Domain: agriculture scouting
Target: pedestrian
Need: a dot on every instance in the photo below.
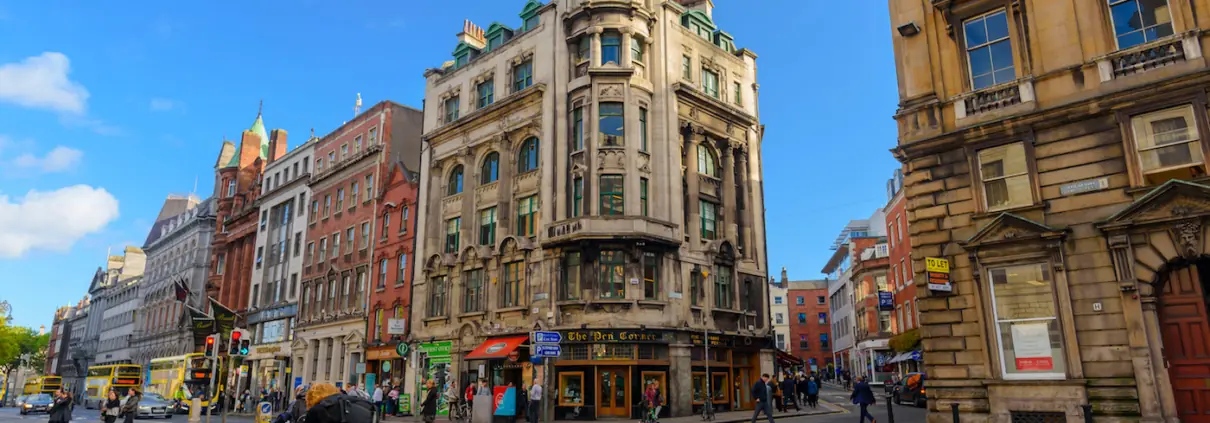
(428, 408)
(298, 408)
(789, 394)
(535, 401)
(655, 400)
(848, 379)
(813, 392)
(762, 392)
(60, 408)
(802, 388)
(778, 401)
(864, 397)
(130, 408)
(377, 399)
(483, 389)
(393, 401)
(110, 408)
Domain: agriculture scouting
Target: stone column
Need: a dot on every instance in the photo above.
(340, 360)
(680, 380)
(322, 363)
(1159, 373)
(624, 49)
(692, 178)
(744, 218)
(730, 213)
(1141, 355)
(596, 46)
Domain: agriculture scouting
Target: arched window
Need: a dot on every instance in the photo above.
(455, 185)
(527, 160)
(490, 171)
(707, 162)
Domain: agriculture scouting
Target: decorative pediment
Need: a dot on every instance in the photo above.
(1174, 200)
(1010, 228)
(354, 338)
(298, 345)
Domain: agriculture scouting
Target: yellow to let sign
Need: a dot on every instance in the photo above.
(934, 264)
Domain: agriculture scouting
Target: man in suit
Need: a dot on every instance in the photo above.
(762, 392)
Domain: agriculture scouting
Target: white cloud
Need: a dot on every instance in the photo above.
(57, 160)
(162, 104)
(53, 220)
(41, 82)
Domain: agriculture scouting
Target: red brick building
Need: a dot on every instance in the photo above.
(906, 316)
(346, 193)
(810, 323)
(237, 185)
(391, 299)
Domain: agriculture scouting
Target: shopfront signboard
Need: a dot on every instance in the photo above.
(616, 336)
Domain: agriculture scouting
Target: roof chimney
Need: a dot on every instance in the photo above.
(472, 34)
(784, 279)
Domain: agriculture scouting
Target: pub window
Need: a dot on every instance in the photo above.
(699, 387)
(651, 278)
(723, 297)
(656, 377)
(473, 297)
(1027, 323)
(719, 387)
(437, 296)
(571, 276)
(611, 276)
(514, 278)
(1004, 173)
(1167, 143)
(571, 389)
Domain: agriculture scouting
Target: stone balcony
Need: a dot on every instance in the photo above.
(994, 102)
(609, 227)
(1179, 50)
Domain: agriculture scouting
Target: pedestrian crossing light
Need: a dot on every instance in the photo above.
(211, 350)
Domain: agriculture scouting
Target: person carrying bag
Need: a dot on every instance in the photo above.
(111, 408)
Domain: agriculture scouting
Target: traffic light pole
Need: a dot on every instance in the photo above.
(230, 368)
(213, 376)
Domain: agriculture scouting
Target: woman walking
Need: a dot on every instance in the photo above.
(812, 392)
(428, 408)
(60, 410)
(110, 408)
(130, 408)
(863, 396)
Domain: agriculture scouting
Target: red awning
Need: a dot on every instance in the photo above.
(497, 348)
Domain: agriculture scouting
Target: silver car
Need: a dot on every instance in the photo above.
(153, 405)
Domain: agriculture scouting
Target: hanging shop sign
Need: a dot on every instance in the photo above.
(609, 336)
(938, 274)
(886, 301)
(436, 349)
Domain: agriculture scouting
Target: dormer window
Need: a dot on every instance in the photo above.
(495, 41)
(532, 22)
(461, 60)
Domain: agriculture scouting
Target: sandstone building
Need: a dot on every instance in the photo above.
(596, 171)
(1055, 159)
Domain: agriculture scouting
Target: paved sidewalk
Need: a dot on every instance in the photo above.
(723, 417)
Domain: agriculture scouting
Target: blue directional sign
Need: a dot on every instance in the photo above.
(548, 337)
(547, 350)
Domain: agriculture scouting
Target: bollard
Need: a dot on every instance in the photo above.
(954, 408)
(1087, 413)
(890, 410)
(195, 410)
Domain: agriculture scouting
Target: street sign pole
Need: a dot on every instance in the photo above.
(546, 345)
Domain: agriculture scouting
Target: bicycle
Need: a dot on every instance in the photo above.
(460, 412)
(707, 411)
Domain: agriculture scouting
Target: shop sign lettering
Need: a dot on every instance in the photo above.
(437, 349)
(605, 336)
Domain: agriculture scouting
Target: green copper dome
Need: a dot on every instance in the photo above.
(258, 128)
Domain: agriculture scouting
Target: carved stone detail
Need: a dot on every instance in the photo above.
(611, 90)
(611, 159)
(645, 163)
(1179, 206)
(1187, 236)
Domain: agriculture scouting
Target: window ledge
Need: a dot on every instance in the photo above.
(436, 319)
(562, 303)
(653, 303)
(1017, 209)
(1143, 189)
(513, 309)
(610, 70)
(728, 311)
(471, 314)
(1036, 382)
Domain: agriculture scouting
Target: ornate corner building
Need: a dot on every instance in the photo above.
(596, 171)
(1056, 159)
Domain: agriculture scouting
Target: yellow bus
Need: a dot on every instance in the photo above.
(180, 378)
(42, 385)
(198, 374)
(103, 378)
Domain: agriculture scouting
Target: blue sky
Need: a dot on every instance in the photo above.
(107, 108)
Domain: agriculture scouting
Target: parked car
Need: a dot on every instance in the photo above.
(153, 405)
(36, 403)
(910, 390)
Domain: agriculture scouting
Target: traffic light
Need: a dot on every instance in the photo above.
(241, 343)
(211, 346)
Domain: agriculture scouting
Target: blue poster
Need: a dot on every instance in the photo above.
(297, 382)
(886, 301)
(506, 403)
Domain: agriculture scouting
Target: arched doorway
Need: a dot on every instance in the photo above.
(1185, 330)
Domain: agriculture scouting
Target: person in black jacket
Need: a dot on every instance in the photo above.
(762, 392)
(789, 394)
(110, 408)
(428, 408)
(864, 397)
(60, 409)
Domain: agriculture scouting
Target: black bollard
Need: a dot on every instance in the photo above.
(1087, 413)
(954, 408)
(890, 411)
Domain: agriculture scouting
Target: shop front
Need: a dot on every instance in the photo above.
(432, 363)
(385, 364)
(724, 369)
(602, 373)
(268, 361)
(501, 361)
(873, 361)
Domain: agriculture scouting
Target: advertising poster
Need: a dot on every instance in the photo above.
(1031, 347)
(504, 401)
(405, 404)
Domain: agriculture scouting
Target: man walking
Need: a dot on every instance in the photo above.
(762, 392)
(535, 401)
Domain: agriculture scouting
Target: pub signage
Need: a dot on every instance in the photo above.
(609, 336)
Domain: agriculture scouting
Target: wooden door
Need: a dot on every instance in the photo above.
(746, 377)
(612, 392)
(1186, 335)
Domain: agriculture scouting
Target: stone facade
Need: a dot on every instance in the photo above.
(609, 184)
(1074, 243)
(178, 252)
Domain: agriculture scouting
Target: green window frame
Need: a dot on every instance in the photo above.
(472, 298)
(611, 45)
(487, 93)
(643, 195)
(487, 226)
(611, 275)
(532, 22)
(452, 228)
(451, 109)
(642, 129)
(436, 304)
(583, 50)
(611, 123)
(695, 288)
(461, 60)
(651, 276)
(707, 162)
(636, 50)
(495, 41)
(523, 75)
(686, 68)
(710, 82)
(514, 279)
(709, 224)
(577, 196)
(739, 94)
(571, 276)
(612, 196)
(527, 216)
(453, 188)
(577, 129)
(724, 298)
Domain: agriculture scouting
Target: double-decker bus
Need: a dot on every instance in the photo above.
(42, 385)
(181, 377)
(198, 375)
(101, 379)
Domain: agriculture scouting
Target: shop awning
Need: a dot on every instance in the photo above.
(788, 359)
(497, 348)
